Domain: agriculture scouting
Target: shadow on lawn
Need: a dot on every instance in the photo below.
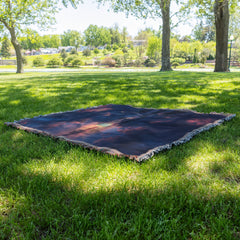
(37, 95)
(49, 207)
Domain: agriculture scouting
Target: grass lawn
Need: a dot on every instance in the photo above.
(53, 190)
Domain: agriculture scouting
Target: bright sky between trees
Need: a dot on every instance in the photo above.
(88, 13)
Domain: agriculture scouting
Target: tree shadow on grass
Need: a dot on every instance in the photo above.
(79, 91)
(43, 206)
(68, 90)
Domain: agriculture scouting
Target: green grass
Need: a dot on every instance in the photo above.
(53, 190)
(196, 65)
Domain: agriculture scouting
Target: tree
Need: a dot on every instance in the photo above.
(115, 35)
(15, 15)
(221, 10)
(205, 32)
(165, 9)
(63, 54)
(51, 41)
(144, 35)
(234, 25)
(72, 38)
(31, 41)
(144, 9)
(97, 36)
(124, 35)
(154, 48)
(5, 50)
(186, 38)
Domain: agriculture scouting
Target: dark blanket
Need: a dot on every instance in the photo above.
(137, 133)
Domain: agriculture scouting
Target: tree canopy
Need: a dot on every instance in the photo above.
(71, 38)
(234, 25)
(220, 10)
(22, 13)
(145, 9)
(97, 36)
(17, 15)
(5, 49)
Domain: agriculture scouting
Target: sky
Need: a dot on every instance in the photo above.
(88, 13)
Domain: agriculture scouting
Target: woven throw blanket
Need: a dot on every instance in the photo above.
(122, 130)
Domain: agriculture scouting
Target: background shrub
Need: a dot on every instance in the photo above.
(109, 48)
(118, 52)
(109, 61)
(115, 46)
(175, 64)
(54, 62)
(96, 50)
(97, 62)
(203, 59)
(105, 51)
(76, 62)
(126, 58)
(68, 60)
(74, 51)
(150, 62)
(86, 52)
(24, 60)
(63, 54)
(125, 50)
(138, 62)
(178, 60)
(73, 61)
(38, 62)
(119, 60)
(130, 63)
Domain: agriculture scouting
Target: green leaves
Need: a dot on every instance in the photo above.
(5, 49)
(74, 3)
(21, 13)
(97, 36)
(71, 38)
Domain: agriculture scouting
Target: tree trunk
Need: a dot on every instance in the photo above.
(165, 8)
(17, 48)
(221, 12)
